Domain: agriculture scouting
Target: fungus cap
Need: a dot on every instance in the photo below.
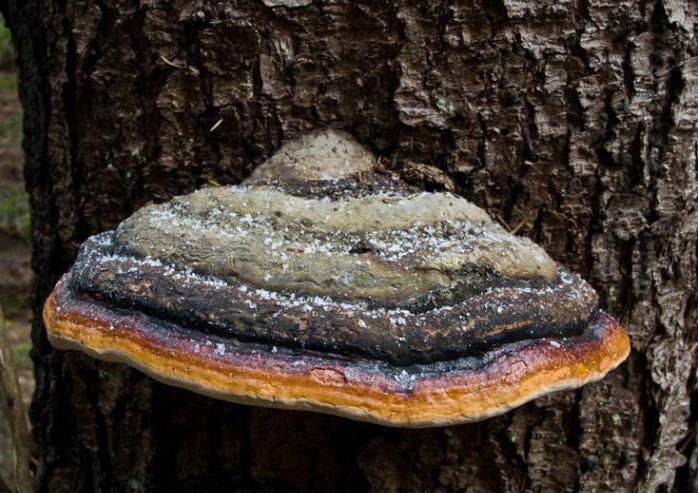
(322, 284)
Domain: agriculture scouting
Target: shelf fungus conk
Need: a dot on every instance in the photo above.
(327, 285)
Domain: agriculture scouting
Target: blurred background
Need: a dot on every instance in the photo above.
(16, 375)
(15, 270)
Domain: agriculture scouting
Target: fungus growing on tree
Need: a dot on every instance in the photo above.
(324, 284)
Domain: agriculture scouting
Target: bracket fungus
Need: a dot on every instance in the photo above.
(325, 284)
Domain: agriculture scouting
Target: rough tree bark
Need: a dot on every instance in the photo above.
(574, 122)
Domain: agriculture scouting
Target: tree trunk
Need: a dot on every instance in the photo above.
(574, 122)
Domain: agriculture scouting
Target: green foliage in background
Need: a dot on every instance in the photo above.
(10, 126)
(14, 206)
(21, 355)
(14, 212)
(7, 55)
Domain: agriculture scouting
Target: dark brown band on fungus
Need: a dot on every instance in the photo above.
(504, 311)
(442, 393)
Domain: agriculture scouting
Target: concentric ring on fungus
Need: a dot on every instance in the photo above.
(322, 284)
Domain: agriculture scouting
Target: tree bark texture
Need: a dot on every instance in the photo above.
(574, 122)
